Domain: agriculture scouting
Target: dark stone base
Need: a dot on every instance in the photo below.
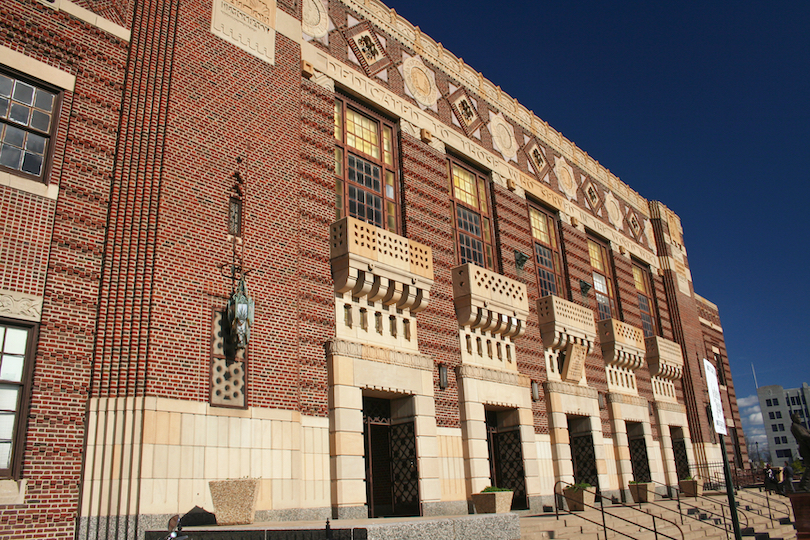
(295, 514)
(537, 503)
(446, 508)
(801, 514)
(350, 512)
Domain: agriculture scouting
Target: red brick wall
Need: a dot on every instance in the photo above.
(68, 237)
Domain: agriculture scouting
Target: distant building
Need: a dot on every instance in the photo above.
(778, 405)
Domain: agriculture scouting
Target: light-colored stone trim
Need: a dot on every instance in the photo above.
(624, 399)
(17, 305)
(710, 324)
(622, 344)
(89, 17)
(34, 187)
(493, 375)
(35, 68)
(671, 407)
(433, 52)
(489, 301)
(707, 302)
(570, 389)
(12, 491)
(349, 349)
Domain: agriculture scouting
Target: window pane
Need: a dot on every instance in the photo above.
(638, 277)
(19, 113)
(539, 225)
(40, 120)
(600, 283)
(5, 455)
(6, 426)
(44, 100)
(16, 339)
(595, 252)
(24, 93)
(14, 136)
(11, 368)
(464, 186)
(35, 144)
(32, 164)
(387, 138)
(6, 83)
(362, 133)
(10, 156)
(3, 108)
(8, 397)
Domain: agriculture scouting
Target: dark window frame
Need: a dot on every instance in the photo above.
(50, 135)
(20, 430)
(548, 250)
(649, 325)
(608, 274)
(464, 209)
(390, 200)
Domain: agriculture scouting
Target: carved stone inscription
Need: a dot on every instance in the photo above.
(248, 24)
(574, 362)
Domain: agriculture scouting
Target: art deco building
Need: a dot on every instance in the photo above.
(300, 241)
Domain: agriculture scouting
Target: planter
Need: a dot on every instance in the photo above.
(578, 498)
(642, 492)
(493, 502)
(691, 488)
(234, 500)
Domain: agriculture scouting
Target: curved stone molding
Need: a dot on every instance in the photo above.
(664, 358)
(622, 344)
(624, 399)
(17, 305)
(493, 375)
(614, 211)
(563, 323)
(375, 264)
(350, 349)
(488, 301)
(420, 82)
(315, 19)
(565, 178)
(503, 136)
(555, 387)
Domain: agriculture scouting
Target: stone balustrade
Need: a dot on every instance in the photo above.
(622, 344)
(372, 263)
(665, 358)
(564, 323)
(489, 302)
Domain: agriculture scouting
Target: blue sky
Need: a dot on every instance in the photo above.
(701, 106)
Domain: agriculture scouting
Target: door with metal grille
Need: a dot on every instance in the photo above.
(392, 477)
(639, 460)
(509, 472)
(681, 459)
(584, 460)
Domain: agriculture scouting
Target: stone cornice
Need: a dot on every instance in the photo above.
(360, 351)
(492, 375)
(411, 36)
(556, 387)
(671, 407)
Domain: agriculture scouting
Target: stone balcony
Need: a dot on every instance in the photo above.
(564, 323)
(664, 358)
(489, 302)
(622, 344)
(378, 265)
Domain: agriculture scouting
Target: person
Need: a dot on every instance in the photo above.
(787, 479)
(802, 436)
(770, 478)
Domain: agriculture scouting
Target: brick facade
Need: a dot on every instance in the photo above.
(125, 246)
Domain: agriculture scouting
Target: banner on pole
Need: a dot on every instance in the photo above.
(714, 398)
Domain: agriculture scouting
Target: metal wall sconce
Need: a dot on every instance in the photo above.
(584, 287)
(442, 376)
(520, 259)
(535, 391)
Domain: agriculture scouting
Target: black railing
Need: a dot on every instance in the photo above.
(714, 478)
(559, 496)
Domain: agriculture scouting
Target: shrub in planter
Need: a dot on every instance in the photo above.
(493, 500)
(578, 496)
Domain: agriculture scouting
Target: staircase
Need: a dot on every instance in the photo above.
(702, 519)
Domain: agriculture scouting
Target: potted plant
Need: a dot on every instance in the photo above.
(234, 500)
(578, 496)
(642, 491)
(691, 487)
(493, 500)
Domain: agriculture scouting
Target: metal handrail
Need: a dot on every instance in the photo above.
(605, 528)
(702, 509)
(768, 504)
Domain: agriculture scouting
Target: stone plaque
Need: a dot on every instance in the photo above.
(574, 363)
(315, 19)
(419, 81)
(248, 24)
